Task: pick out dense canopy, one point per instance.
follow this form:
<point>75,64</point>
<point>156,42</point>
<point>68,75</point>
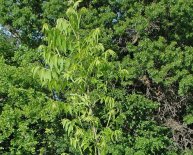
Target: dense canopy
<point>100,77</point>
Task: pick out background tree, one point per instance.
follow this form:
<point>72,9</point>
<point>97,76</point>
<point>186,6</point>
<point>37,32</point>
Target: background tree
<point>153,44</point>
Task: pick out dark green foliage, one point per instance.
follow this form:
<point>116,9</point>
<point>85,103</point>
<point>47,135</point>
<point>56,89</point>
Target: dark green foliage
<point>84,99</point>
<point>24,19</point>
<point>26,111</point>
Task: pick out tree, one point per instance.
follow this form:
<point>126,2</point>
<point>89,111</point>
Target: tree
<point>24,19</point>
<point>27,110</point>
<point>149,76</point>
<point>97,121</point>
